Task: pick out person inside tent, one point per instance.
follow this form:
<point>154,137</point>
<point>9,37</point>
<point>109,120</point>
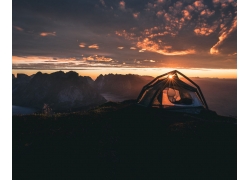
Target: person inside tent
<point>173,96</point>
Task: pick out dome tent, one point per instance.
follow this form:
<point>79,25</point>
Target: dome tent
<point>169,92</point>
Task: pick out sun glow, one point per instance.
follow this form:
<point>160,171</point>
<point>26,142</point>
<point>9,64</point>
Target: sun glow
<point>170,76</point>
<point>95,72</point>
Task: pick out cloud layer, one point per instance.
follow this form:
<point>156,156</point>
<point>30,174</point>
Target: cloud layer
<point>124,33</point>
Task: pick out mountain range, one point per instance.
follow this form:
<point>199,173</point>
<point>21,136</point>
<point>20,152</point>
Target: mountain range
<point>63,91</point>
<point>71,92</point>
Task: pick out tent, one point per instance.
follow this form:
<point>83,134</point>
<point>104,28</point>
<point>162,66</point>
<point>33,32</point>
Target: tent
<point>169,92</point>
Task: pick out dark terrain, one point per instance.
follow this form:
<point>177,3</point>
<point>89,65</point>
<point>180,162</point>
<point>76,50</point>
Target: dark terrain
<point>124,141</point>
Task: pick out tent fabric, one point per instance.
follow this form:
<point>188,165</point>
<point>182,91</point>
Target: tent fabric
<point>169,91</point>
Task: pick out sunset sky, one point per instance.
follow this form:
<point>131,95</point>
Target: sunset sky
<point>148,37</point>
<point>111,35</point>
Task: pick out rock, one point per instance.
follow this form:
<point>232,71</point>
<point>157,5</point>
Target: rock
<point>61,91</point>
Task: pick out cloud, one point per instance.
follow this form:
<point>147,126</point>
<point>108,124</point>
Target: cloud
<point>94,46</point>
<point>47,34</point>
<point>199,5</point>
<point>160,1</point>
<point>103,3</point>
<point>136,15</point>
<point>226,32</point>
<point>160,13</point>
<point>152,61</point>
<point>38,59</point>
<point>186,14</point>
<point>234,54</point>
<point>97,58</point>
<point>207,13</point>
<point>152,46</point>
<point>190,8</point>
<point>224,5</point>
<point>82,45</point>
<point>18,28</point>
<point>126,35</point>
<point>205,30</point>
<point>203,26</point>
<point>178,5</point>
<point>163,28</point>
<point>42,62</point>
<point>120,47</point>
<point>122,5</point>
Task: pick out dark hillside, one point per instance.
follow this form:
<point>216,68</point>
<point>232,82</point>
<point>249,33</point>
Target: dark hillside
<point>124,141</point>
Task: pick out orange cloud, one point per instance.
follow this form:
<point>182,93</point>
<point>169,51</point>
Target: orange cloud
<point>224,5</point>
<point>207,13</point>
<point>142,50</point>
<point>178,4</point>
<point>120,47</point>
<point>186,14</point>
<point>82,45</point>
<point>72,62</point>
<point>203,31</point>
<point>223,36</point>
<point>167,17</point>
<point>136,15</point>
<point>97,58</point>
<point>160,13</point>
<point>38,59</point>
<point>152,61</point>
<point>18,28</point>
<point>126,35</point>
<point>151,46</point>
<point>160,1</point>
<point>122,5</point>
<point>48,34</point>
<point>199,5</point>
<point>234,54</point>
<point>94,46</point>
<point>189,8</point>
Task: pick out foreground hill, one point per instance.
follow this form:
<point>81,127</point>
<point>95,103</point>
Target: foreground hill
<point>124,141</point>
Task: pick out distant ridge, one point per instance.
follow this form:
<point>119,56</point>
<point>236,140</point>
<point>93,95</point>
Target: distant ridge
<point>61,91</point>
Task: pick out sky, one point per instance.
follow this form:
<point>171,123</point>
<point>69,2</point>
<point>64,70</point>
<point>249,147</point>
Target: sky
<point>87,34</point>
<point>103,34</point>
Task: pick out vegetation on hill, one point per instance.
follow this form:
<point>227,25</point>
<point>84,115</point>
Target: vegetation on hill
<point>123,140</point>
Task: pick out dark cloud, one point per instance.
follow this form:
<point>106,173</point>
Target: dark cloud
<point>187,33</point>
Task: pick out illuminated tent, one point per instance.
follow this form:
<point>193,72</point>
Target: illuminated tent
<point>168,91</point>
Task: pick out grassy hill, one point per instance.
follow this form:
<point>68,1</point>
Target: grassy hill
<point>124,141</point>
